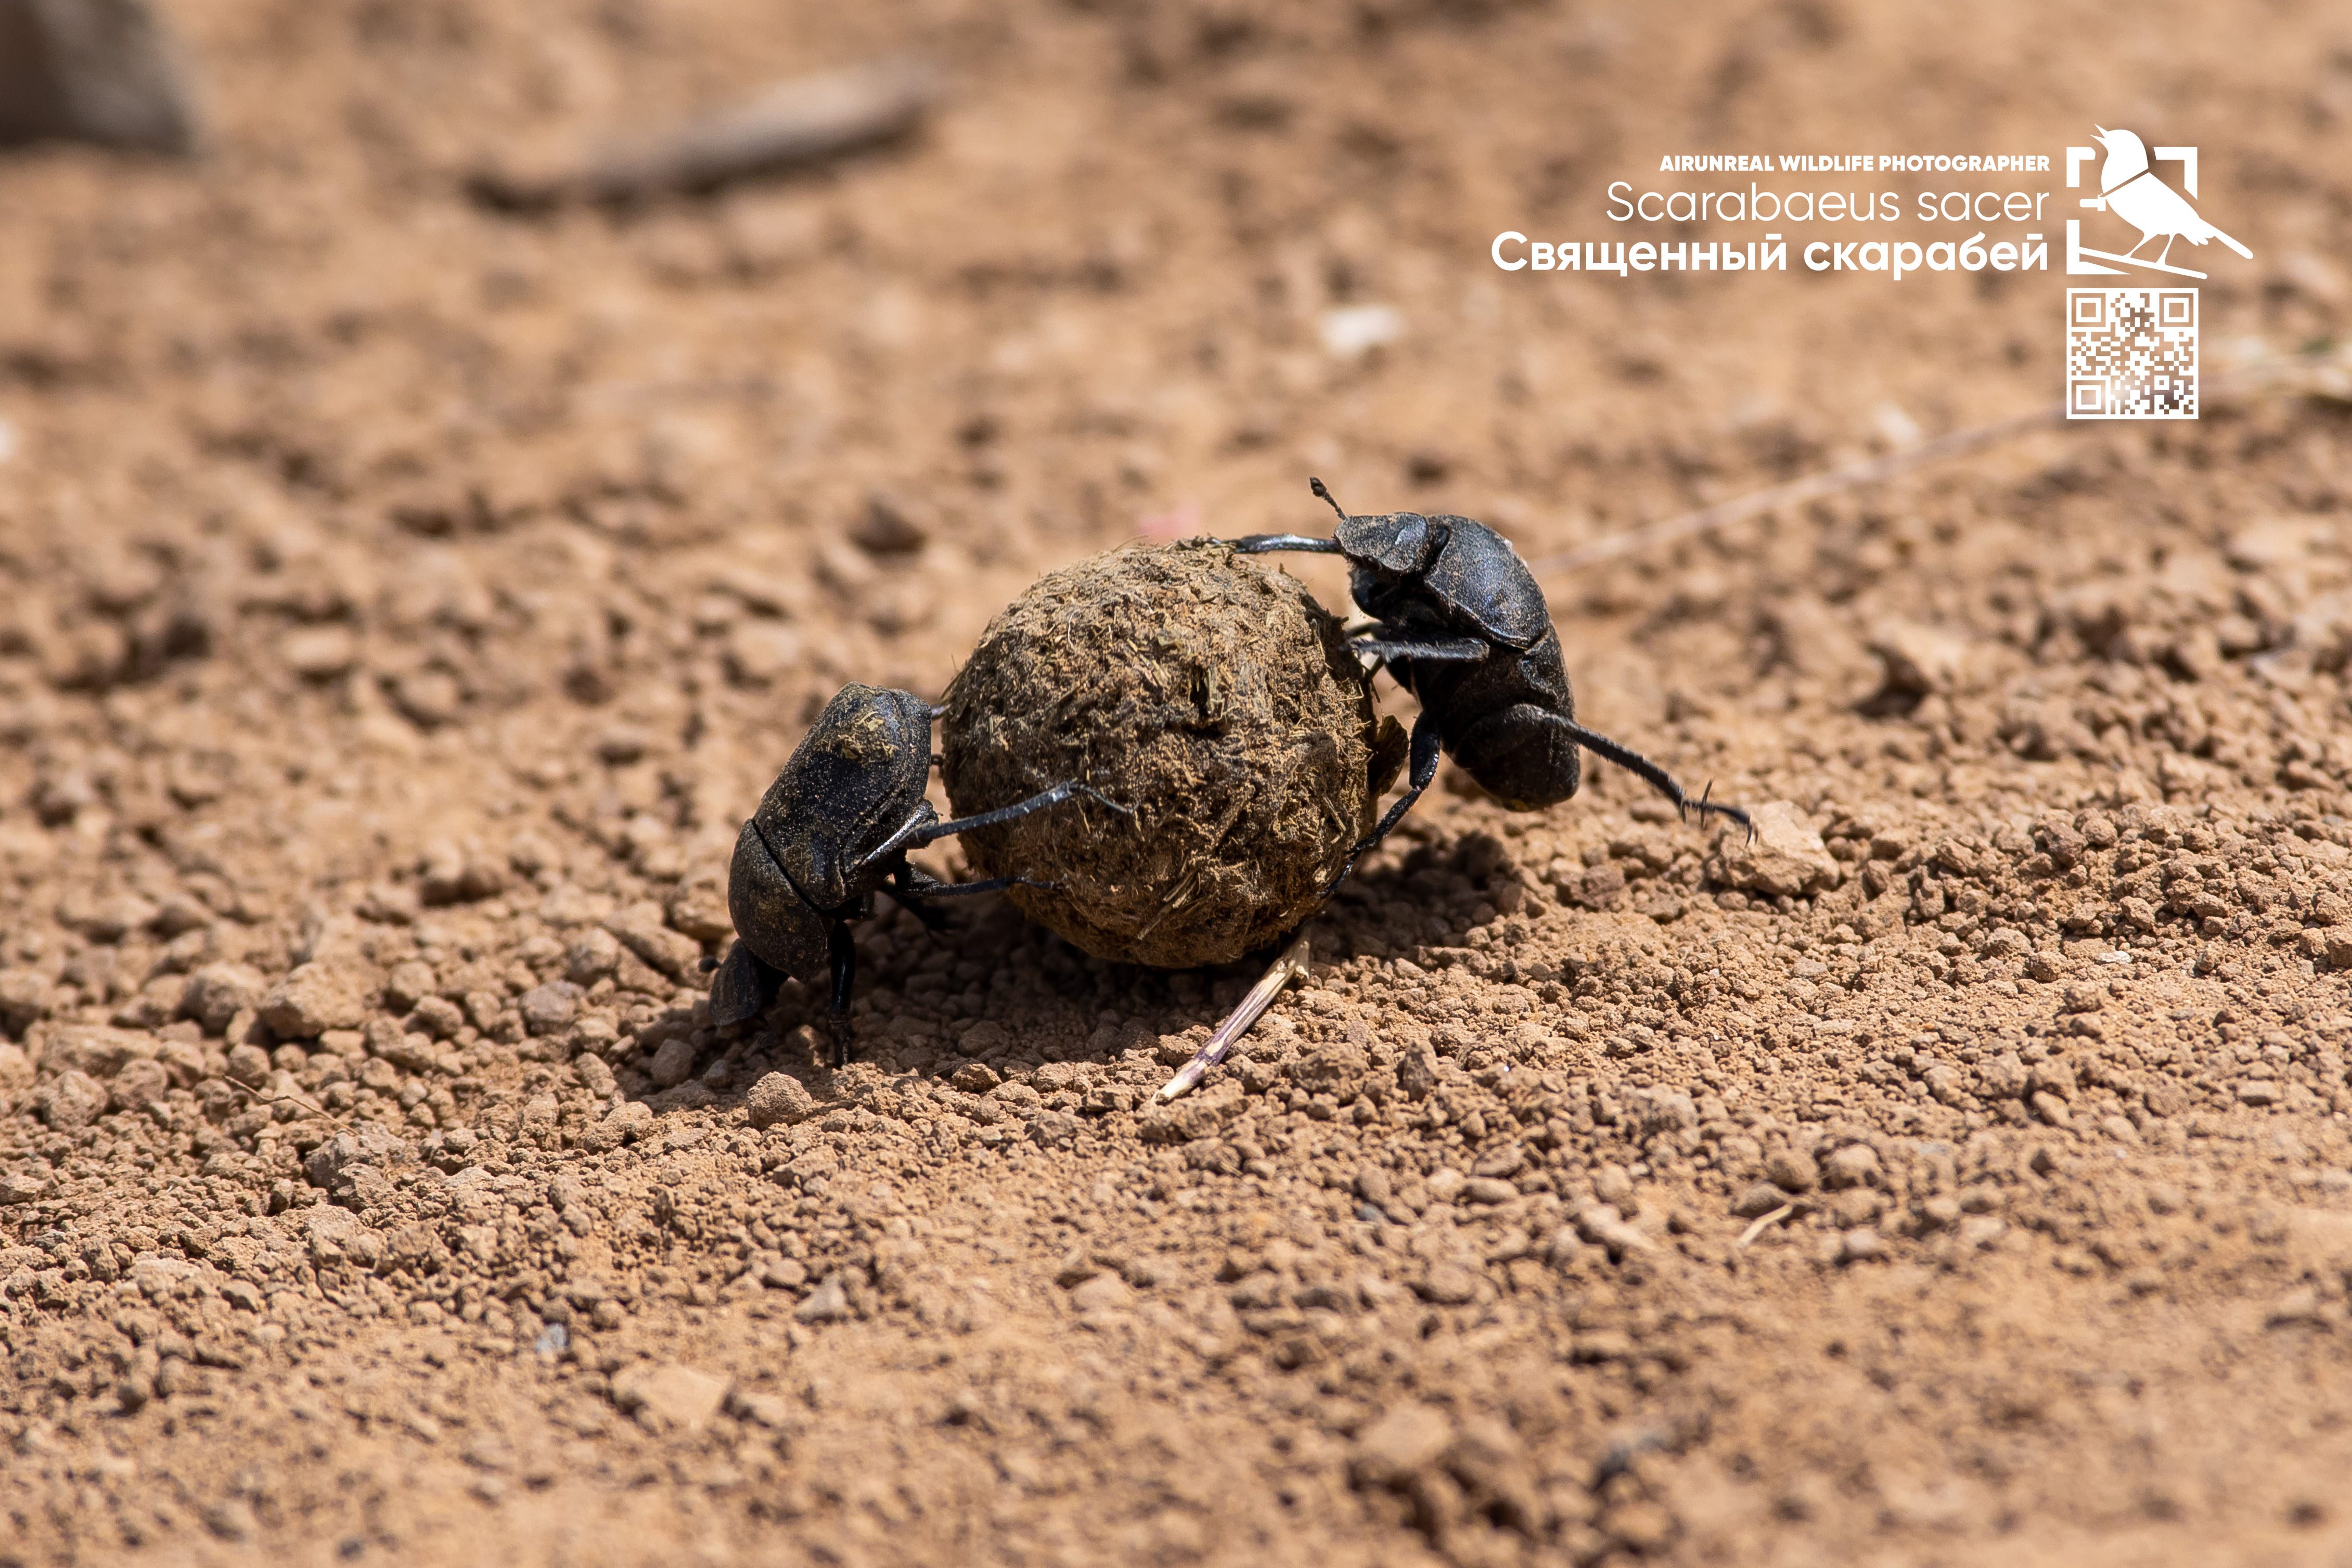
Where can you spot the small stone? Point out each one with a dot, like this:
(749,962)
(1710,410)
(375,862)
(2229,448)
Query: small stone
(1758,1200)
(337,1236)
(99,1052)
(779,1097)
(142,1086)
(1603,1226)
(1103,1293)
(1981,1230)
(1487,1190)
(1508,1161)
(232,1519)
(1613,1184)
(1854,1165)
(106,920)
(984,1039)
(1331,1066)
(975,1077)
(592,957)
(1639,1526)
(1399,1445)
(318,653)
(1917,659)
(890,527)
(1447,1286)
(325,994)
(1785,857)
(1596,1345)
(1792,1170)
(669,1397)
(1196,1115)
(641,931)
(547,1008)
(2005,945)
(1860,1246)
(23,996)
(2085,998)
(219,992)
(1416,1071)
(673,1062)
(829,1302)
(628,1120)
(22,1187)
(331,1165)
(74,1100)
(250,1065)
(762,652)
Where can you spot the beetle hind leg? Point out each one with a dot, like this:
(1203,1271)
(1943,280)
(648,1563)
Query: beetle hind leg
(1634,762)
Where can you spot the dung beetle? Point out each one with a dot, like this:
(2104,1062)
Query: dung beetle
(1460,622)
(830,832)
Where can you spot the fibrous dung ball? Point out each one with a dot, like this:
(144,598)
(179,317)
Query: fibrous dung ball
(1215,697)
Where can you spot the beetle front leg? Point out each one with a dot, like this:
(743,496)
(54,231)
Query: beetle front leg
(1428,648)
(933,831)
(1426,745)
(845,975)
(905,886)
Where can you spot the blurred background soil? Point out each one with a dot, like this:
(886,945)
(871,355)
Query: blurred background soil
(404,591)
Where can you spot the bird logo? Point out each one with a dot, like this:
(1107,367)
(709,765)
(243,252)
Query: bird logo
(2131,189)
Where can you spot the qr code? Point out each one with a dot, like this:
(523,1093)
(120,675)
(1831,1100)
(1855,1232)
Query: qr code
(2131,353)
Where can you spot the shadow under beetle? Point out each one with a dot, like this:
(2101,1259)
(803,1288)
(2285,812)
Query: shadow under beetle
(831,832)
(1461,623)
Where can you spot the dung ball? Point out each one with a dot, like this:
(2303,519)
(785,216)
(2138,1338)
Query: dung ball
(1216,699)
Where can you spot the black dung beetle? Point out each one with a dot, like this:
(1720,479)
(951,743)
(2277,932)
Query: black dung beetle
(1461,625)
(831,832)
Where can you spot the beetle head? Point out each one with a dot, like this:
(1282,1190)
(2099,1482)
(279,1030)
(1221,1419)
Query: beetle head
(770,914)
(1394,544)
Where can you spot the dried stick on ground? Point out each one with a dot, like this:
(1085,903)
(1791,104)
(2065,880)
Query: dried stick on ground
(1290,966)
(793,124)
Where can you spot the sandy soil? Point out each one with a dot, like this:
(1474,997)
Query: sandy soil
(405,601)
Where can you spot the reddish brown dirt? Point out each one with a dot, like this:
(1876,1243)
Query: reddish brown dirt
(404,602)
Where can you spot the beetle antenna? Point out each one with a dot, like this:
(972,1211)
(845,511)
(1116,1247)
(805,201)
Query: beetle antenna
(1319,488)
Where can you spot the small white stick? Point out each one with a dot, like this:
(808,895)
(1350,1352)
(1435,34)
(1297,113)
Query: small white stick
(1764,1223)
(1290,966)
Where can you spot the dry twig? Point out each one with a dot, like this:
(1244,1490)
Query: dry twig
(1290,966)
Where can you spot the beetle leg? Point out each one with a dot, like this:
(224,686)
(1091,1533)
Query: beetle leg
(845,974)
(927,889)
(1634,762)
(907,885)
(1265,544)
(913,834)
(921,817)
(1426,751)
(1454,650)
